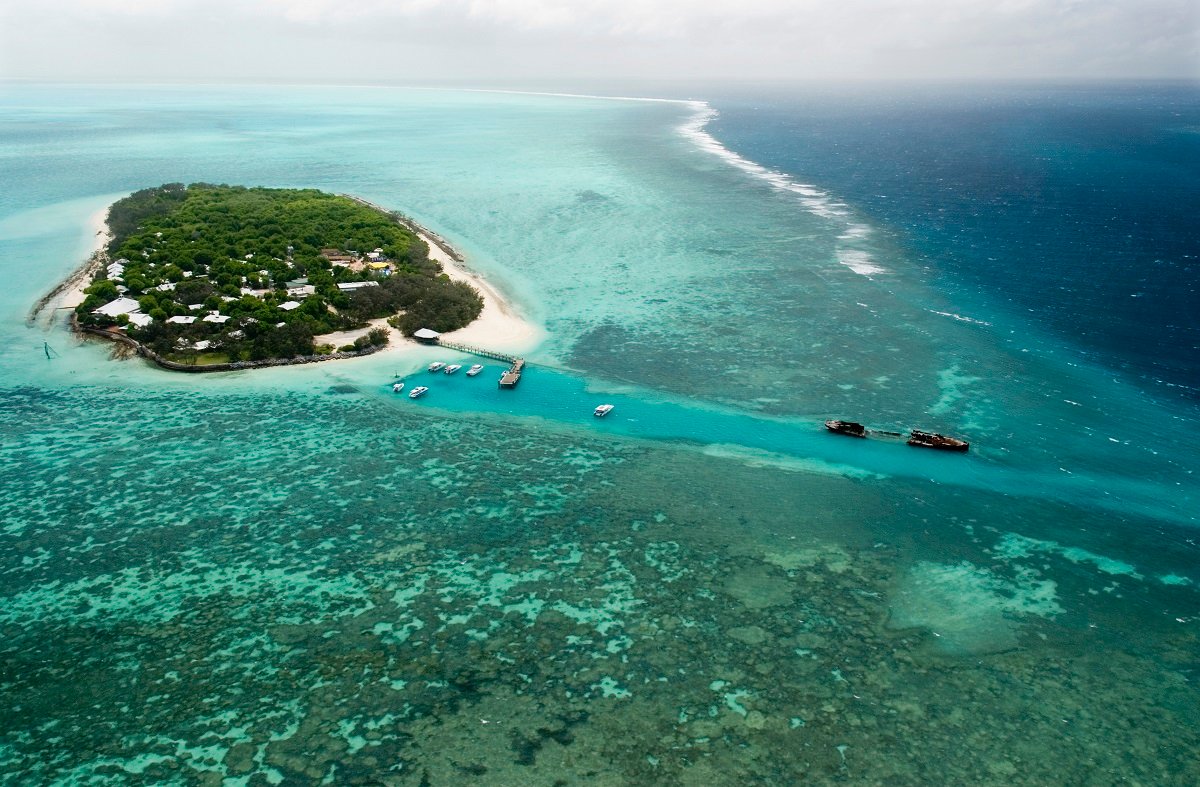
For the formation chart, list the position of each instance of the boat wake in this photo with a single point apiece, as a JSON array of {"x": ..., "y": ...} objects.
[{"x": 814, "y": 200}]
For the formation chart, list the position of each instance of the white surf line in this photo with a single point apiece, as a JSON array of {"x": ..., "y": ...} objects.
[{"x": 816, "y": 201}]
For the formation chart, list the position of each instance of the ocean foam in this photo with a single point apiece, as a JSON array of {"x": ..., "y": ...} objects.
[
  {"x": 858, "y": 261},
  {"x": 814, "y": 200}
]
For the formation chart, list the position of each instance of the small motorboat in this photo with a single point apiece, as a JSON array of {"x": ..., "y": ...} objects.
[
  {"x": 939, "y": 441},
  {"x": 602, "y": 410},
  {"x": 474, "y": 370},
  {"x": 435, "y": 366},
  {"x": 398, "y": 387},
  {"x": 417, "y": 392},
  {"x": 851, "y": 428},
  {"x": 452, "y": 368}
]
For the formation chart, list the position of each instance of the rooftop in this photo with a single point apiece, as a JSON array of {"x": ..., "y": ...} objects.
[{"x": 119, "y": 306}]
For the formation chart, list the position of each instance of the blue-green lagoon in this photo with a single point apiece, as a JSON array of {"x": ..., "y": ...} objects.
[{"x": 296, "y": 576}]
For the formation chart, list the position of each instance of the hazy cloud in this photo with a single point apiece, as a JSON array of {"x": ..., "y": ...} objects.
[{"x": 417, "y": 40}]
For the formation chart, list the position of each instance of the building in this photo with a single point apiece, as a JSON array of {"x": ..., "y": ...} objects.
[
  {"x": 348, "y": 286},
  {"x": 119, "y": 306},
  {"x": 426, "y": 336}
]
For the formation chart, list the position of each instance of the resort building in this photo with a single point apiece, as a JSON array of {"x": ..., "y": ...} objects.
[
  {"x": 426, "y": 336},
  {"x": 119, "y": 306}
]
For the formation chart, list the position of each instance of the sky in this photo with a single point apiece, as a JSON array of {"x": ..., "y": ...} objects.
[{"x": 528, "y": 41}]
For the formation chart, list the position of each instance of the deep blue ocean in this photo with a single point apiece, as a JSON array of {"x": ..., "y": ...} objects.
[
  {"x": 1069, "y": 207},
  {"x": 296, "y": 576}
]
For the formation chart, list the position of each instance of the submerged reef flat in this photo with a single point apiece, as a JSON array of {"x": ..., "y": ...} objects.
[{"x": 439, "y": 602}]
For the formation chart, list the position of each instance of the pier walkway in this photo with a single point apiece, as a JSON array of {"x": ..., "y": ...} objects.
[{"x": 516, "y": 365}]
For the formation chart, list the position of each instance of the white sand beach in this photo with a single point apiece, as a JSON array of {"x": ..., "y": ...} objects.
[
  {"x": 71, "y": 293},
  {"x": 499, "y": 326}
]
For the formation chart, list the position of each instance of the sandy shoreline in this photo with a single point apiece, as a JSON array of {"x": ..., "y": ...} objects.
[
  {"x": 101, "y": 235},
  {"x": 498, "y": 327},
  {"x": 69, "y": 292}
]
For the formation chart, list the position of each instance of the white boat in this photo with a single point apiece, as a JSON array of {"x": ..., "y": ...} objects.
[
  {"x": 603, "y": 410},
  {"x": 398, "y": 387},
  {"x": 452, "y": 368},
  {"x": 433, "y": 367},
  {"x": 474, "y": 370},
  {"x": 418, "y": 391}
]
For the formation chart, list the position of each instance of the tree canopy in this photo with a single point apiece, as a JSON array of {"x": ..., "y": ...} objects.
[{"x": 258, "y": 269}]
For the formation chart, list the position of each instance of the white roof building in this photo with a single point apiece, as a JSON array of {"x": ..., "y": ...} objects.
[
  {"x": 181, "y": 320},
  {"x": 301, "y": 291},
  {"x": 218, "y": 318},
  {"x": 119, "y": 306},
  {"x": 166, "y": 286},
  {"x": 357, "y": 285},
  {"x": 289, "y": 305},
  {"x": 140, "y": 320}
]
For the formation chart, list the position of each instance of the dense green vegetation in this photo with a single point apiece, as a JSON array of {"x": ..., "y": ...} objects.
[{"x": 232, "y": 252}]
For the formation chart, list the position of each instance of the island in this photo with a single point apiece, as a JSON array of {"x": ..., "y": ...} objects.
[{"x": 210, "y": 276}]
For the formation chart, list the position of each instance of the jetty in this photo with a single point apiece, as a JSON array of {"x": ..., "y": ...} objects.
[
  {"x": 513, "y": 376},
  {"x": 516, "y": 365}
]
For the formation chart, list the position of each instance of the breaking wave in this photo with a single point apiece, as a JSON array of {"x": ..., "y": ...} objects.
[{"x": 814, "y": 200}]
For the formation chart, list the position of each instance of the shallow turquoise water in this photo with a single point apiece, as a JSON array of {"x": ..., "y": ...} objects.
[{"x": 296, "y": 575}]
